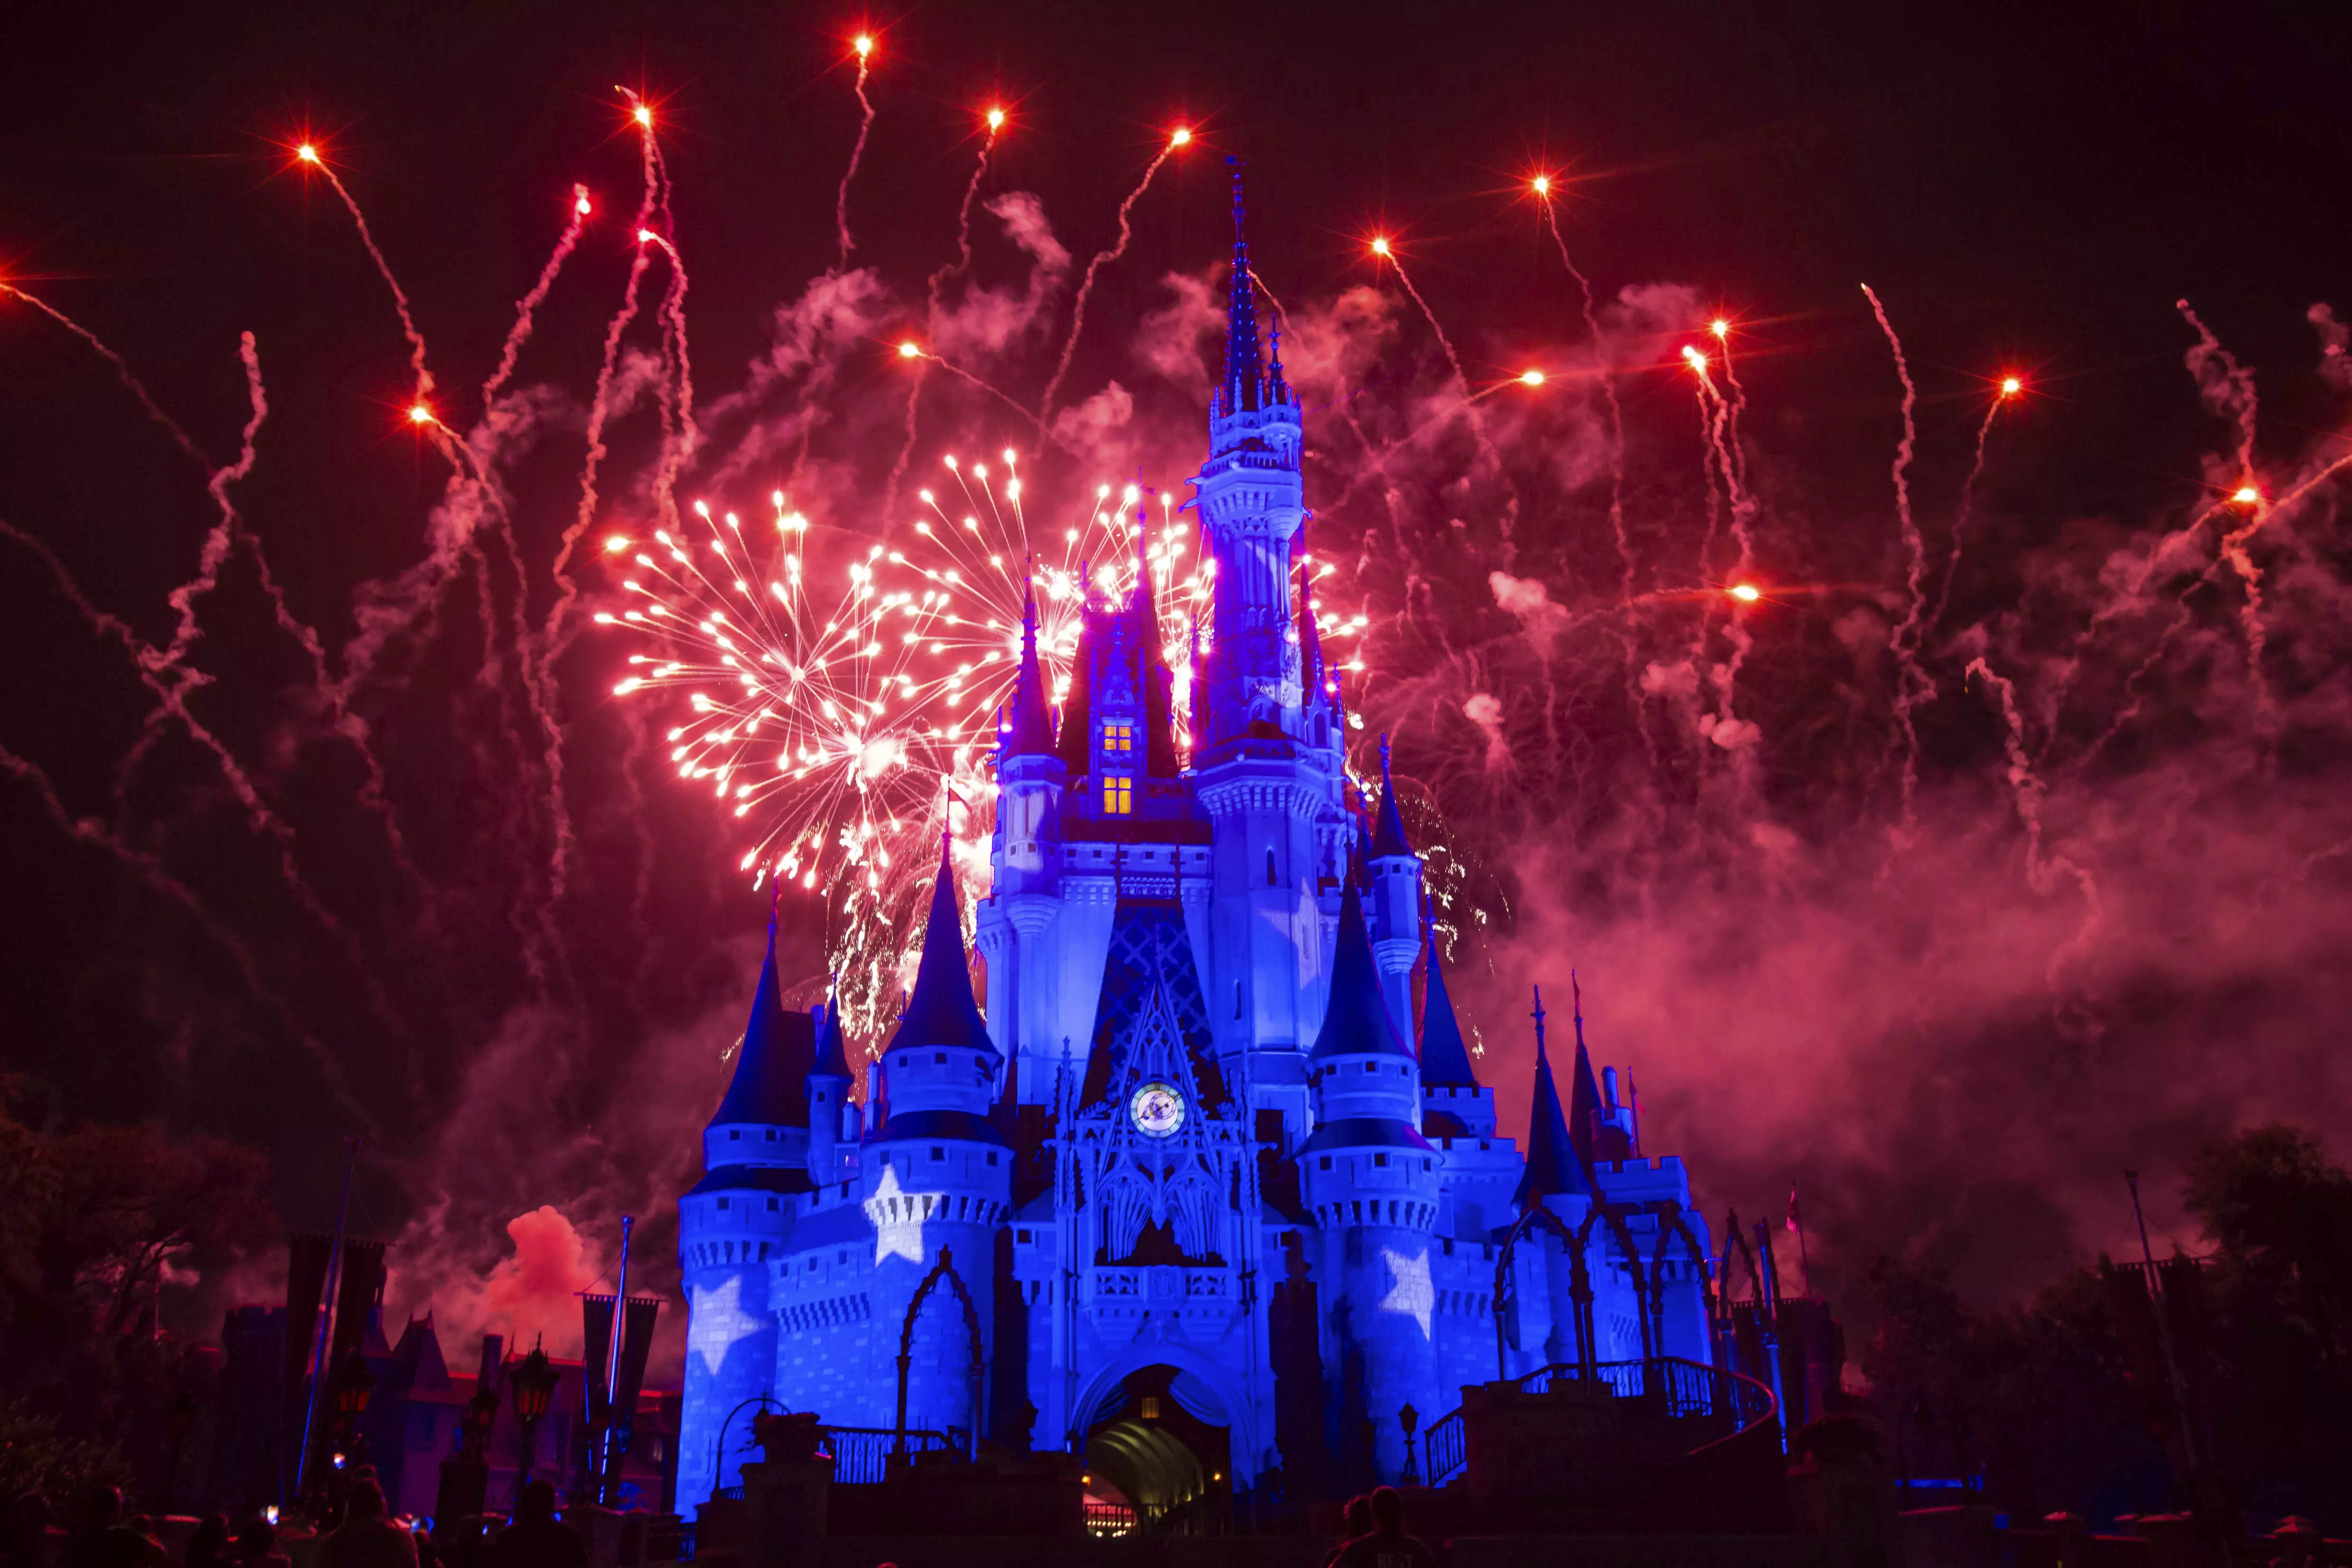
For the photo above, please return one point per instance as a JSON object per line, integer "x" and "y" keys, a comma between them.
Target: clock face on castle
{"x": 1157, "y": 1110}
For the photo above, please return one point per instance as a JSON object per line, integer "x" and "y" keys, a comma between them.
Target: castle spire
{"x": 831, "y": 1040}
{"x": 770, "y": 1085}
{"x": 1356, "y": 1021}
{"x": 1584, "y": 1094}
{"x": 1389, "y": 841}
{"x": 1310, "y": 635}
{"x": 1553, "y": 1168}
{"x": 940, "y": 1010}
{"x": 1031, "y": 732}
{"x": 1445, "y": 1055}
{"x": 1245, "y": 373}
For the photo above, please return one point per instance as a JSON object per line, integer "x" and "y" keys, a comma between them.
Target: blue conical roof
{"x": 1356, "y": 1021}
{"x": 1553, "y": 1163}
{"x": 1584, "y": 1092}
{"x": 832, "y": 1042}
{"x": 771, "y": 1083}
{"x": 1030, "y": 732}
{"x": 1388, "y": 833}
{"x": 940, "y": 1010}
{"x": 1445, "y": 1054}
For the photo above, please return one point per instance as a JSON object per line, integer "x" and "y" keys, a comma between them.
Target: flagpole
{"x": 324, "y": 1342}
{"x": 1796, "y": 1224}
{"x": 620, "y": 1338}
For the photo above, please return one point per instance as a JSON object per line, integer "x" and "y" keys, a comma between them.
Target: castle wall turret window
{"x": 1118, "y": 794}
{"x": 1118, "y": 740}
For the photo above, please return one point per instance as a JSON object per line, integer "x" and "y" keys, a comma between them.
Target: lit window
{"x": 1118, "y": 739}
{"x": 1118, "y": 794}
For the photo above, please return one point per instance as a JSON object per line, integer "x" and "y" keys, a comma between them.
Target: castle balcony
{"x": 1118, "y": 1299}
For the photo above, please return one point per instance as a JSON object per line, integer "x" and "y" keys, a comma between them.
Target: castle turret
{"x": 937, "y": 1177}
{"x": 1371, "y": 1185}
{"x": 734, "y": 1220}
{"x": 833, "y": 1132}
{"x": 1251, "y": 503}
{"x": 1395, "y": 874}
{"x": 1556, "y": 1179}
{"x": 1033, "y": 779}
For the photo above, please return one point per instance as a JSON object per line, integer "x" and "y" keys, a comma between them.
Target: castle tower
{"x": 733, "y": 1222}
{"x": 1266, "y": 769}
{"x": 937, "y": 1175}
{"x": 1026, "y": 896}
{"x": 1555, "y": 1179}
{"x": 833, "y": 1132}
{"x": 1372, "y": 1186}
{"x": 1396, "y": 897}
{"x": 1457, "y": 1113}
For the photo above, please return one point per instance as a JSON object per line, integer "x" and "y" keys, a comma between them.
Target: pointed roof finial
{"x": 1356, "y": 1020}
{"x": 1584, "y": 1091}
{"x": 1243, "y": 370}
{"x": 831, "y": 1040}
{"x": 1031, "y": 731}
{"x": 1553, "y": 1165}
{"x": 1389, "y": 841}
{"x": 939, "y": 1010}
{"x": 1445, "y": 1054}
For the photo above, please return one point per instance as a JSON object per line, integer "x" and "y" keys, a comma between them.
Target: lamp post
{"x": 1409, "y": 1418}
{"x": 534, "y": 1388}
{"x": 180, "y": 1419}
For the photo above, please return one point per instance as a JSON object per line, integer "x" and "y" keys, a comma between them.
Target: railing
{"x": 861, "y": 1455}
{"x": 1110, "y": 1519}
{"x": 1680, "y": 1388}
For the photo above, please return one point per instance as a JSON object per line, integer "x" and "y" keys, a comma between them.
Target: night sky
{"x": 2026, "y": 187}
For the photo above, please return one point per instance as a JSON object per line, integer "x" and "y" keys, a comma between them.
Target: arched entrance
{"x": 1156, "y": 1438}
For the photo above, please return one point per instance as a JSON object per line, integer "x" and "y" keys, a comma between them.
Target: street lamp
{"x": 353, "y": 1385}
{"x": 534, "y": 1387}
{"x": 1409, "y": 1418}
{"x": 484, "y": 1408}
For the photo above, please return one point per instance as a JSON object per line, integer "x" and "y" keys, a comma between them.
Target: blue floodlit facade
{"x": 1196, "y": 1156}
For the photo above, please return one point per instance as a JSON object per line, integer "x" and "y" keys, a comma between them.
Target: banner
{"x": 596, "y": 1349}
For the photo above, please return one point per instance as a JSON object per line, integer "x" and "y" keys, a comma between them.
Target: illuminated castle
{"x": 1209, "y": 1201}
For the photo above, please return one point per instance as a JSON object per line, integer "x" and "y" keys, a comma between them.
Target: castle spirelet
{"x": 1195, "y": 1195}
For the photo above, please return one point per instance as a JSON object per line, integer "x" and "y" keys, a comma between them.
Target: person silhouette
{"x": 537, "y": 1539}
{"x": 1387, "y": 1545}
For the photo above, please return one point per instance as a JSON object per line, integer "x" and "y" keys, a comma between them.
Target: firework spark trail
{"x": 527, "y": 308}
{"x": 1960, "y": 519}
{"x": 151, "y": 870}
{"x": 172, "y": 699}
{"x": 1736, "y": 403}
{"x": 938, "y": 281}
{"x": 1912, "y": 684}
{"x": 1616, "y": 468}
{"x": 121, "y": 370}
{"x": 2228, "y": 389}
{"x": 539, "y": 675}
{"x": 2134, "y": 685}
{"x": 856, "y": 153}
{"x": 1100, "y": 259}
{"x": 677, "y": 392}
{"x": 2028, "y": 791}
{"x": 1509, "y": 520}
{"x": 423, "y": 377}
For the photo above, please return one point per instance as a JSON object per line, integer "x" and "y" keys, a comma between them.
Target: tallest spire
{"x": 1244, "y": 369}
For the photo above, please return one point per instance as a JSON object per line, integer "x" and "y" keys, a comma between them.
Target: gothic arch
{"x": 1537, "y": 1217}
{"x": 943, "y": 1270}
{"x": 1248, "y": 1446}
{"x": 1671, "y": 1224}
{"x": 1615, "y": 1216}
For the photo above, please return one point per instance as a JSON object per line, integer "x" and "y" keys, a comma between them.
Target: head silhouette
{"x": 210, "y": 1540}
{"x": 257, "y": 1540}
{"x": 537, "y": 1502}
{"x": 104, "y": 1509}
{"x": 367, "y": 1501}
{"x": 1388, "y": 1509}
{"x": 1356, "y": 1518}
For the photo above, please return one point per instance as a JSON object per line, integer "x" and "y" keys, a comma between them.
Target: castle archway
{"x": 1163, "y": 1438}
{"x": 1205, "y": 1394}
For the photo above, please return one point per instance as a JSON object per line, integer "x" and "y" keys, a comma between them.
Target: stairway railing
{"x": 1687, "y": 1390}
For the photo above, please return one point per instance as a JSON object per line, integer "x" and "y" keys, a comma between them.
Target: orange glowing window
{"x": 1118, "y": 794}
{"x": 1118, "y": 739}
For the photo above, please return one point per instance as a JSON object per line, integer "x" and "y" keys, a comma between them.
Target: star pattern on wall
{"x": 1410, "y": 1290}
{"x": 716, "y": 1321}
{"x": 898, "y": 1216}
